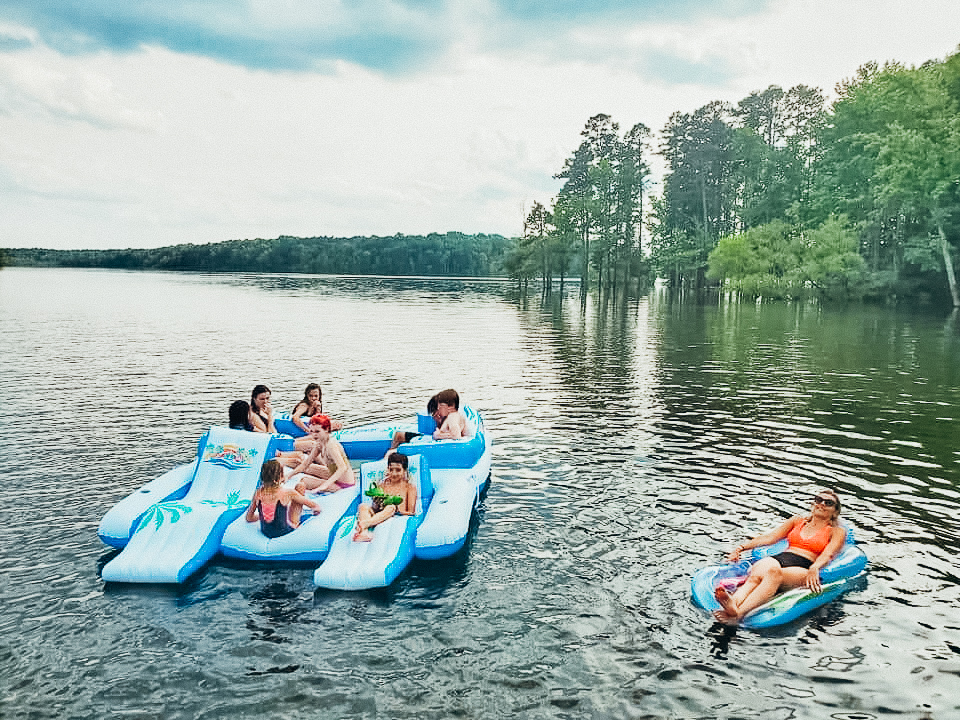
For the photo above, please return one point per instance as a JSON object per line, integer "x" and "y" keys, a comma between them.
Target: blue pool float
{"x": 840, "y": 574}
{"x": 355, "y": 565}
{"x": 175, "y": 523}
{"x": 310, "y": 542}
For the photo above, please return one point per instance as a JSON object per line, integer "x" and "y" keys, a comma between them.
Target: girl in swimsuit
{"x": 261, "y": 411}
{"x": 312, "y": 404}
{"x": 277, "y": 507}
{"x": 395, "y": 485}
{"x": 813, "y": 541}
{"x": 326, "y": 467}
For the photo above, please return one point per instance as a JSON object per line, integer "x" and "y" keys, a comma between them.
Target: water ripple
{"x": 635, "y": 442}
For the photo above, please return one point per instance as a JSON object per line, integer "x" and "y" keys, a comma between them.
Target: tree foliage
{"x": 781, "y": 261}
{"x": 773, "y": 175}
{"x": 454, "y": 254}
{"x": 596, "y": 218}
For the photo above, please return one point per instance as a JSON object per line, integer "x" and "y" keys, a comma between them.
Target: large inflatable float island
{"x": 173, "y": 525}
{"x": 844, "y": 572}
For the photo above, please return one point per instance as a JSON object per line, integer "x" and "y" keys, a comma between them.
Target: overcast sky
{"x": 149, "y": 123}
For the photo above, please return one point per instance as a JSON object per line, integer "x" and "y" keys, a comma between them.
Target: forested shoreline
{"x": 449, "y": 254}
{"x": 777, "y": 196}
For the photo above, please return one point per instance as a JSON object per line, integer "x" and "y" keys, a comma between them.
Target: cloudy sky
{"x": 149, "y": 123}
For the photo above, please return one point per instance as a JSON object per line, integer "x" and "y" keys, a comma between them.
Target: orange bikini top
{"x": 816, "y": 544}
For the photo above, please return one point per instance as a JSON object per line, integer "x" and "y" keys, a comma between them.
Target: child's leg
{"x": 361, "y": 531}
{"x": 289, "y": 459}
{"x": 364, "y": 513}
{"x": 303, "y": 444}
{"x": 317, "y": 470}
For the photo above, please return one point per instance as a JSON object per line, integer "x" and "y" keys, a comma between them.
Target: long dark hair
{"x": 239, "y": 415}
{"x": 257, "y": 389}
{"x": 306, "y": 400}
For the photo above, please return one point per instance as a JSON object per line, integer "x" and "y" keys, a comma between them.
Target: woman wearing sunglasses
{"x": 813, "y": 540}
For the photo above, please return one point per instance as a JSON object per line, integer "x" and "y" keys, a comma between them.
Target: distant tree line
{"x": 452, "y": 254}
{"x": 776, "y": 196}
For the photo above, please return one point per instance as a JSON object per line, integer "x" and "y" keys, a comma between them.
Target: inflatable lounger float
{"x": 310, "y": 542}
{"x": 356, "y": 565}
{"x": 371, "y": 441}
{"x": 364, "y": 442}
{"x": 459, "y": 470}
{"x": 836, "y": 576}
{"x": 172, "y": 526}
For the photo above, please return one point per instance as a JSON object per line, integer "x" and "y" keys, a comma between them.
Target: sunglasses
{"x": 826, "y": 502}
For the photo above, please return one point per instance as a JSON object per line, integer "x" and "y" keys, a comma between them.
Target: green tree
{"x": 698, "y": 205}
{"x": 781, "y": 260}
{"x": 777, "y": 146}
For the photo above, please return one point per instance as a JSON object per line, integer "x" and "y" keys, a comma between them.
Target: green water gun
{"x": 375, "y": 492}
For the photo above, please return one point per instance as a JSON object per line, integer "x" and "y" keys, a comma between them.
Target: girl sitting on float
{"x": 325, "y": 467}
{"x": 277, "y": 507}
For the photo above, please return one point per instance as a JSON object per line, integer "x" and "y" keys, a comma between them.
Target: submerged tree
{"x": 596, "y": 216}
{"x": 781, "y": 260}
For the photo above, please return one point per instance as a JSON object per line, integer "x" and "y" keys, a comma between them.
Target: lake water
{"x": 634, "y": 443}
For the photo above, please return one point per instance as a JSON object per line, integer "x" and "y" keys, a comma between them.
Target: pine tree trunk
{"x": 948, "y": 263}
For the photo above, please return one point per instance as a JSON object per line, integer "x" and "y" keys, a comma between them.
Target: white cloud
{"x": 157, "y": 147}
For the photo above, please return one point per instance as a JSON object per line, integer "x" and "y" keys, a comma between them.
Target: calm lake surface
{"x": 634, "y": 443}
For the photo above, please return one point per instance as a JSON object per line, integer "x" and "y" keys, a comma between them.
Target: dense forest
{"x": 453, "y": 254}
{"x": 776, "y": 196}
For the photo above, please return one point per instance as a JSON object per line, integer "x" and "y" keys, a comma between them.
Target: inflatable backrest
{"x": 426, "y": 424}
{"x": 418, "y": 469}
{"x": 229, "y": 463}
{"x": 283, "y": 421}
{"x": 463, "y": 453}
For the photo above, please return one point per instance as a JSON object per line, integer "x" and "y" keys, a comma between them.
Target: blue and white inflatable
{"x": 174, "y": 524}
{"x": 840, "y": 574}
{"x": 355, "y": 565}
{"x": 310, "y": 542}
{"x": 451, "y": 475}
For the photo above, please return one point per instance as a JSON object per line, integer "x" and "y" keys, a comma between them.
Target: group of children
{"x": 324, "y": 465}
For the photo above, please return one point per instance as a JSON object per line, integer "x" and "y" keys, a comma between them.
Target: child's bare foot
{"x": 300, "y": 487}
{"x": 363, "y": 536}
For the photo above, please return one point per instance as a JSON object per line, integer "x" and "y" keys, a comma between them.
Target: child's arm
{"x": 295, "y": 416}
{"x": 452, "y": 428}
{"x": 409, "y": 506}
{"x": 271, "y": 428}
{"x": 307, "y": 459}
{"x": 256, "y": 422}
{"x": 252, "y": 507}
